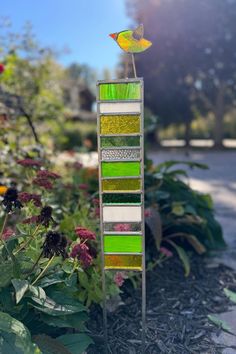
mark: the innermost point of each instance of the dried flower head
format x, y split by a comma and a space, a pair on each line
54, 245
45, 216
85, 234
10, 200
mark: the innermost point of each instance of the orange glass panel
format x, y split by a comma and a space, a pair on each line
130, 262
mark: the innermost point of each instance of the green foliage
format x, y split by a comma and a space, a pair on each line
230, 294
187, 216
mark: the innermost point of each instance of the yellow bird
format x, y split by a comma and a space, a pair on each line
132, 41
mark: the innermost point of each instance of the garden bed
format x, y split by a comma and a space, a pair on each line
177, 310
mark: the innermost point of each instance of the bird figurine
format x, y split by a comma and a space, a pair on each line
132, 42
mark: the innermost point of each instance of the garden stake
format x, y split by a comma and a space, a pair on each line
121, 182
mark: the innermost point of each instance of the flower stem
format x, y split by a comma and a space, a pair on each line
3, 226
44, 270
28, 241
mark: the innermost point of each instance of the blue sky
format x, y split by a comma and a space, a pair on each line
81, 25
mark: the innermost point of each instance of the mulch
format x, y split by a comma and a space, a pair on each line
177, 309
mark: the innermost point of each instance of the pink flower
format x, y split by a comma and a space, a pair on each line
85, 234
77, 165
122, 227
43, 182
166, 252
31, 220
25, 197
47, 174
7, 233
147, 213
2, 68
29, 163
96, 201
119, 278
81, 251
83, 186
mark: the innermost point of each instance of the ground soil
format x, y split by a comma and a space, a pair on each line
177, 309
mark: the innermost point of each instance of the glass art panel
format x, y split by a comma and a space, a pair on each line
121, 154
121, 185
127, 124
122, 243
116, 141
120, 107
122, 213
120, 91
130, 262
120, 169
121, 198
122, 226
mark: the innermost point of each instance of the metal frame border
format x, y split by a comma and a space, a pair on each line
141, 192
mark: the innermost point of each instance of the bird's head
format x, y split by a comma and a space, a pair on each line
114, 35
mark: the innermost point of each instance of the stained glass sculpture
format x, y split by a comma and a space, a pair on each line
120, 151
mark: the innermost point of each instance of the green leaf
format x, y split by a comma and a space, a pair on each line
49, 345
15, 337
83, 280
6, 274
230, 294
183, 256
76, 343
47, 305
220, 323
75, 320
196, 244
21, 286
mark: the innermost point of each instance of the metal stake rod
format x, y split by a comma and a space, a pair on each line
133, 62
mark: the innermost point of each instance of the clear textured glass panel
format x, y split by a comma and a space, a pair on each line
120, 169
122, 227
120, 91
121, 185
122, 213
120, 107
123, 262
122, 243
120, 124
121, 154
121, 198
111, 141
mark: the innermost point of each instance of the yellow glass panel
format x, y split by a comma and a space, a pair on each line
125, 124
121, 184
131, 262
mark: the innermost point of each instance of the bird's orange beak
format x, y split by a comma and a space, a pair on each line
113, 35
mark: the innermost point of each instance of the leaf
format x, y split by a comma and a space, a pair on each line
154, 223
75, 320
76, 343
220, 323
230, 294
177, 209
196, 244
50, 345
47, 305
16, 338
20, 286
6, 274
83, 280
183, 256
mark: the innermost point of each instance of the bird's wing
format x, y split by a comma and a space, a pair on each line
138, 32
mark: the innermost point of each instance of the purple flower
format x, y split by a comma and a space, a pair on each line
85, 234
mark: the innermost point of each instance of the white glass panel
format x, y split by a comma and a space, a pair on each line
121, 107
122, 214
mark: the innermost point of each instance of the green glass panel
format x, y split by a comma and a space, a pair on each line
121, 185
124, 244
129, 262
120, 91
117, 141
121, 198
120, 124
120, 169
